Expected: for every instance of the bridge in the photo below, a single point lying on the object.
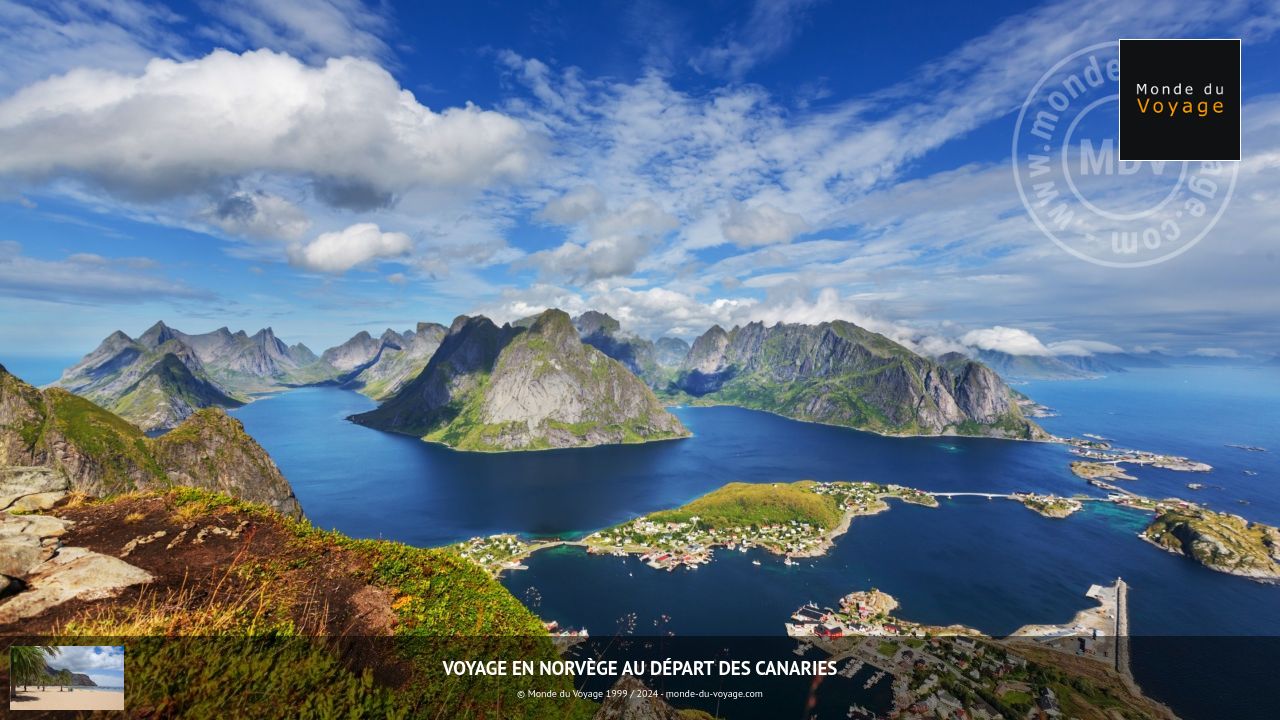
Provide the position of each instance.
(989, 496)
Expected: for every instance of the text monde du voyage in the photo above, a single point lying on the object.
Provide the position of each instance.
(614, 668)
(1179, 99)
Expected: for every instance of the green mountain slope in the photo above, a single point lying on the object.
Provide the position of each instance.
(516, 388)
(98, 453)
(165, 375)
(841, 374)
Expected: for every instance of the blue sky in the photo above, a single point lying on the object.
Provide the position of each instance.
(330, 166)
(104, 664)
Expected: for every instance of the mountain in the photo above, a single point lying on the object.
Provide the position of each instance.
(165, 375)
(518, 388)
(154, 382)
(652, 362)
(670, 351)
(841, 374)
(1037, 367)
(379, 368)
(356, 352)
(52, 441)
(77, 679)
(247, 364)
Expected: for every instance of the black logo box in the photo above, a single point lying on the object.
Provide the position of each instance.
(1187, 68)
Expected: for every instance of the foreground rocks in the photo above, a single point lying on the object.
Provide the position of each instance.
(33, 562)
(634, 705)
(31, 488)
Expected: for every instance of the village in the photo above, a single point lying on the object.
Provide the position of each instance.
(954, 671)
(691, 543)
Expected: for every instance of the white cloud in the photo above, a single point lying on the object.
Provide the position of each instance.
(85, 278)
(574, 206)
(314, 30)
(1216, 352)
(338, 252)
(770, 28)
(653, 312)
(42, 39)
(607, 243)
(258, 215)
(86, 658)
(762, 224)
(1083, 348)
(186, 127)
(1005, 339)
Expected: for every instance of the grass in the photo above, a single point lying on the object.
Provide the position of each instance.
(756, 504)
(189, 645)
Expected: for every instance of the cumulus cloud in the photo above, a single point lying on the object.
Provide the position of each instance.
(340, 251)
(258, 215)
(184, 127)
(1005, 339)
(86, 658)
(762, 224)
(607, 244)
(574, 206)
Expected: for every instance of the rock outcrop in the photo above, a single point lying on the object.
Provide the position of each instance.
(634, 701)
(516, 388)
(53, 442)
(379, 368)
(841, 374)
(211, 450)
(1219, 541)
(33, 561)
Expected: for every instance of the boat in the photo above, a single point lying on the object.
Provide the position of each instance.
(755, 562)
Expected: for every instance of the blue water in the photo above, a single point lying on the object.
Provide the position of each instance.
(993, 565)
(37, 370)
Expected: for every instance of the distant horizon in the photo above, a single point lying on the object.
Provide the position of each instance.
(1008, 341)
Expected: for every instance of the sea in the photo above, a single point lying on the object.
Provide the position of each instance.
(1205, 643)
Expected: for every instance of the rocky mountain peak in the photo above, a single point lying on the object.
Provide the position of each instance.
(523, 388)
(592, 322)
(157, 335)
(554, 323)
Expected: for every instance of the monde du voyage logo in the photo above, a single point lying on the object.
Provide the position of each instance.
(1128, 165)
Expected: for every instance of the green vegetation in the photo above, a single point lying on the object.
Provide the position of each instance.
(1220, 541)
(839, 374)
(189, 644)
(119, 449)
(493, 389)
(756, 505)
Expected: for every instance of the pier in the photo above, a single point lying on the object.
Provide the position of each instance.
(1122, 630)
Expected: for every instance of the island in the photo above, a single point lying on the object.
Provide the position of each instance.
(1219, 541)
(1050, 506)
(1094, 470)
(799, 519)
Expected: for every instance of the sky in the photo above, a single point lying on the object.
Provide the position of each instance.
(104, 664)
(333, 166)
